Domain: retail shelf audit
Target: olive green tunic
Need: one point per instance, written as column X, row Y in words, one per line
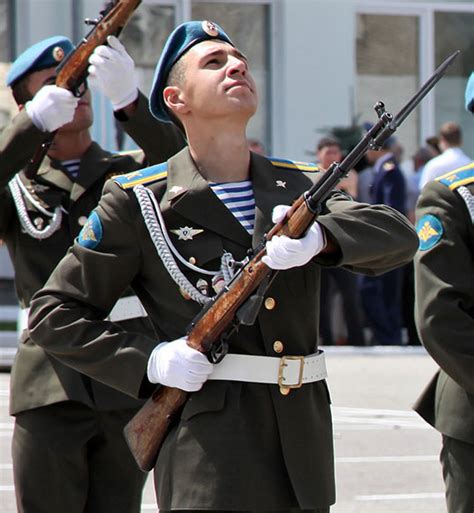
column 237, row 446
column 445, row 302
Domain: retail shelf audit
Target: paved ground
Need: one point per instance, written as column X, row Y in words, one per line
column 386, row 457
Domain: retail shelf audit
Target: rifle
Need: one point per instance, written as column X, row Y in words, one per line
column 239, row 302
column 72, row 72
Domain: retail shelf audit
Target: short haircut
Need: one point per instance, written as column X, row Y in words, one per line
column 20, row 90
column 328, row 141
column 451, row 133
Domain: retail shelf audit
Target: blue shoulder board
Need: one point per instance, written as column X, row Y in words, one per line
column 146, row 175
column 293, row 164
column 462, row 176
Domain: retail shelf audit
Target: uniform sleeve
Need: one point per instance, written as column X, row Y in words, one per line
column 373, row 239
column 444, row 281
column 18, row 142
column 66, row 316
column 160, row 141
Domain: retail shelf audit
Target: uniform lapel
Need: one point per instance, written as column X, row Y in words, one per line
column 271, row 186
column 189, row 195
column 54, row 176
column 94, row 165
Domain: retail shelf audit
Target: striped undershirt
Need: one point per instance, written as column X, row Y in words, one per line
column 238, row 198
column 72, row 167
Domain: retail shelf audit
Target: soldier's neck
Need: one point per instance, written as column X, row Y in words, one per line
column 70, row 145
column 222, row 157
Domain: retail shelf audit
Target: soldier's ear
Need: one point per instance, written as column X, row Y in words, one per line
column 175, row 100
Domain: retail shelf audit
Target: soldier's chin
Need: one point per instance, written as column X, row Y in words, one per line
column 77, row 124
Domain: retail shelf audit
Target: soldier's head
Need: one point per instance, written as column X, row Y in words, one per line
column 201, row 75
column 36, row 67
column 469, row 95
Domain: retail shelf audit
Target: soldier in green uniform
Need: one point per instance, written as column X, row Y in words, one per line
column 68, row 449
column 175, row 231
column 444, row 308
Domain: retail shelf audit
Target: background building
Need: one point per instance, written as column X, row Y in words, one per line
column 318, row 63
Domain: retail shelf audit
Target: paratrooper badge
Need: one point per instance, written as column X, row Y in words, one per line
column 91, row 233
column 430, row 230
column 186, row 233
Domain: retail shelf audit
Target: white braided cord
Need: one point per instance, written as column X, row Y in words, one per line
column 16, row 188
column 151, row 214
column 468, row 199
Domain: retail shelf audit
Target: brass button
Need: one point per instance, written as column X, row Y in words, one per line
column 270, row 303
column 192, row 260
column 278, row 346
column 284, row 390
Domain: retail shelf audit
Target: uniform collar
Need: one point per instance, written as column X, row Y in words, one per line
column 95, row 159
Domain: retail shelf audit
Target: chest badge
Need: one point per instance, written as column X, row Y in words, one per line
column 186, row 233
column 281, row 183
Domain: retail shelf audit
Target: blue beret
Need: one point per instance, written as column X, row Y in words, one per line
column 470, row 94
column 45, row 54
column 182, row 39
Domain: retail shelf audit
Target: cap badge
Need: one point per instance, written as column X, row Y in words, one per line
column 58, row 54
column 210, row 29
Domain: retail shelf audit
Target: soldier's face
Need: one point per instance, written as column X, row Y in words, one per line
column 218, row 83
column 83, row 116
column 328, row 155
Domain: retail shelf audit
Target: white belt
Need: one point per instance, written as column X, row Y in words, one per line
column 125, row 308
column 287, row 372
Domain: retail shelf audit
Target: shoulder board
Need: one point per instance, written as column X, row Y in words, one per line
column 143, row 176
column 462, row 176
column 293, row 164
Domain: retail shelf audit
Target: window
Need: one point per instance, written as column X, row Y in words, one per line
column 387, row 69
column 454, row 31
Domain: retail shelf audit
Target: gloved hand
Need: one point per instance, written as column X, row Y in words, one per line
column 112, row 72
column 284, row 252
column 51, row 108
column 175, row 364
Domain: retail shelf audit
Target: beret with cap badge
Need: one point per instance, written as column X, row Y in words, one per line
column 47, row 53
column 181, row 40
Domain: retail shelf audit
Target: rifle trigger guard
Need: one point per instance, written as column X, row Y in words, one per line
column 218, row 351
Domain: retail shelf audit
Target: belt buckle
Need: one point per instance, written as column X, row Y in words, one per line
column 285, row 389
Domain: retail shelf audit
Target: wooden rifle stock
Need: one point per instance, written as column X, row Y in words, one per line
column 148, row 428
column 72, row 72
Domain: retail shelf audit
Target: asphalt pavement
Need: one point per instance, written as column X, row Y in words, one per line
column 386, row 456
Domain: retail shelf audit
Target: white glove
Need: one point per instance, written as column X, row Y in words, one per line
column 284, row 252
column 51, row 108
column 175, row 364
column 112, row 72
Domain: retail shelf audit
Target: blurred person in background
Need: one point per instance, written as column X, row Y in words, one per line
column 336, row 280
column 452, row 156
column 381, row 295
